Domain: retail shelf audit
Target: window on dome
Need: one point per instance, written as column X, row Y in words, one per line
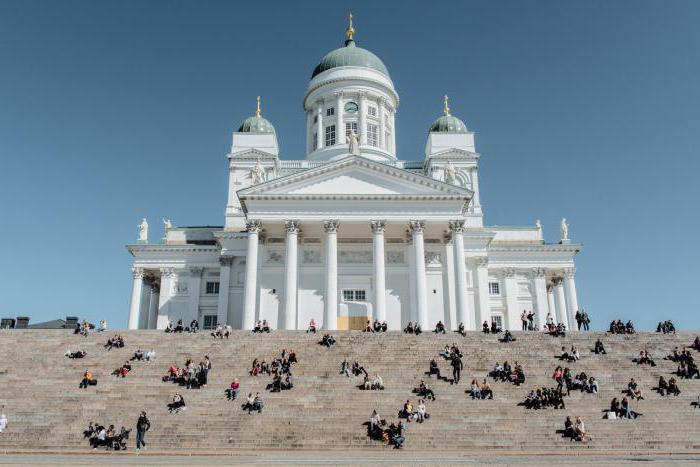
column 330, row 135
column 330, row 111
column 372, row 135
column 371, row 111
column 350, row 127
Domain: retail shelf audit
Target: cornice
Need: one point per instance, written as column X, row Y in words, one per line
column 133, row 249
column 547, row 247
column 376, row 83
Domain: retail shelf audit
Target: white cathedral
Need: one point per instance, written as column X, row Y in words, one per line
column 351, row 233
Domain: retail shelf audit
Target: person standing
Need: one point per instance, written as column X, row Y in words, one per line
column 456, row 368
column 142, row 426
column 585, row 320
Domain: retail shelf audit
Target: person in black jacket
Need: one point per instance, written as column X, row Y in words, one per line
column 456, row 368
column 142, row 426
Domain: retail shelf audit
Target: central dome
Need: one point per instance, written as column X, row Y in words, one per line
column 350, row 55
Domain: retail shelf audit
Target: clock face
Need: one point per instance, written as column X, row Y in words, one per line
column 351, row 107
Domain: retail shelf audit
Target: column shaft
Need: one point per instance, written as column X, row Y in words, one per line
column 512, row 312
column 561, row 302
column 378, row 259
column 417, row 228
column 482, row 285
column 135, row 306
column 571, row 298
column 194, row 287
column 340, row 124
column 363, row 119
column 290, row 277
column 224, row 289
column 463, row 317
column 153, row 308
column 330, row 305
column 251, row 275
column 166, row 288
column 382, row 125
column 552, row 307
column 541, row 304
column 319, row 126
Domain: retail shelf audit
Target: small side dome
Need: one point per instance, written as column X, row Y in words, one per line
column 256, row 123
column 448, row 123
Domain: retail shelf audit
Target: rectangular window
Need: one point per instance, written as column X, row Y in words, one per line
column 354, row 295
column 498, row 319
column 371, row 111
column 372, row 135
column 210, row 321
column 212, row 288
column 330, row 111
column 330, row 135
column 350, row 127
column 315, row 143
column 494, row 288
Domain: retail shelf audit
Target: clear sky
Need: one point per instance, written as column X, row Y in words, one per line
column 112, row 111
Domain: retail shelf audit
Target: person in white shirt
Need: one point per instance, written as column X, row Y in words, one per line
column 420, row 411
column 378, row 383
column 103, row 326
column 151, row 354
column 3, row 422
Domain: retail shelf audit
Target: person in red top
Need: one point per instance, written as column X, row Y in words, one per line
column 233, row 390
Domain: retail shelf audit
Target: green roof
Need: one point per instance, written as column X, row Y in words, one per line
column 350, row 55
column 448, row 124
column 256, row 124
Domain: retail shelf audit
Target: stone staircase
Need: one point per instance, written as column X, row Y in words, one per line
column 325, row 410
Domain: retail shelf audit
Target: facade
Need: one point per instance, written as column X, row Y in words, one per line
column 351, row 232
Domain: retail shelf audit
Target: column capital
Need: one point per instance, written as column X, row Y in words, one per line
column 319, row 103
column 226, row 260
column 382, row 100
column 253, row 226
column 457, row 225
column 558, row 281
column 481, row 261
column 196, row 272
column 362, row 94
column 570, row 273
column 377, row 226
column 292, row 226
column 538, row 272
column 416, row 226
column 338, row 94
column 331, row 225
column 167, row 272
column 509, row 272
column 137, row 273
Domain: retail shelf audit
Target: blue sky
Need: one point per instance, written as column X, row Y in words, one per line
column 112, row 111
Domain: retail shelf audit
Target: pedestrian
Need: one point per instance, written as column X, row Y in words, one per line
column 456, row 368
column 142, row 426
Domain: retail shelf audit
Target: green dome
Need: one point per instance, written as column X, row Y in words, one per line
column 350, row 55
column 448, row 124
column 256, row 124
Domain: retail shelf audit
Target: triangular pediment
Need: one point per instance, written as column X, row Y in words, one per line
column 355, row 176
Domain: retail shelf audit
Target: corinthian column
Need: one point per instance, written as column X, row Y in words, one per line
column 561, row 302
column 136, row 292
column 330, row 308
column 251, row 274
column 457, row 228
column 572, row 299
column 224, row 289
column 417, row 228
column 340, row 125
column 290, row 275
column 379, row 274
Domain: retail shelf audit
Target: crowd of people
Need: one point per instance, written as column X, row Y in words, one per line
column 116, row 341
column 618, row 327
column 582, row 320
column 542, row 398
column 505, row 372
column 413, row 328
column 221, row 332
column 261, row 326
column 666, row 327
column 179, row 327
column 377, row 326
column 327, row 341
column 108, row 438
column 191, row 375
column 576, row 431
column 493, row 329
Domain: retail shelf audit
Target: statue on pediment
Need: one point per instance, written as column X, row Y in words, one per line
column 564, row 229
column 354, row 143
column 167, row 223
column 257, row 174
column 143, row 230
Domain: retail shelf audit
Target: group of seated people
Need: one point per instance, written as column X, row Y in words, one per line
column 115, row 341
column 644, row 359
column 480, row 391
column 327, row 340
column 99, row 436
column 570, row 356
column 621, row 410
column 180, row 327
column 88, row 380
column 375, row 384
column 494, row 329
column 513, row 374
column 575, row 431
column 84, row 328
column 123, row 370
column 253, row 403
column 686, row 363
column 354, row 369
column 377, row 326
column 583, row 383
column 222, row 331
column 262, row 326
column 413, row 328
column 280, row 382
column 191, row 375
column 669, row 387
column 617, row 327
column 545, row 397
column 140, row 355
column 556, row 330
column 392, row 434
column 449, row 352
column 424, row 391
column 77, row 354
column 414, row 414
column 280, row 365
column 666, row 327
column 178, row 404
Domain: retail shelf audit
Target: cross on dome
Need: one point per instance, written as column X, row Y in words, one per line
column 446, row 110
column 350, row 31
column 257, row 112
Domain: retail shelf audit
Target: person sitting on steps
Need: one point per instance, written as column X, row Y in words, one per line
column 327, row 340
column 312, row 326
column 88, row 380
column 177, row 405
column 424, row 391
column 485, row 327
column 599, row 349
column 460, row 329
column 439, row 328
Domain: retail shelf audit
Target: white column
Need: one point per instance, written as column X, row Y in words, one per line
column 136, row 291
column 393, row 133
column 319, row 125
column 382, row 125
column 483, row 312
column 363, row 118
column 571, row 298
column 166, row 289
column 195, row 287
column 512, row 313
column 330, row 305
column 251, row 275
column 378, row 227
column 417, row 228
column 340, row 125
column 224, row 289
column 153, row 307
column 551, row 305
column 457, row 228
column 290, row 275
column 145, row 302
column 541, row 303
column 561, row 302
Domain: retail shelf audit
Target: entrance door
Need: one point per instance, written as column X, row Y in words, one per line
column 354, row 309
